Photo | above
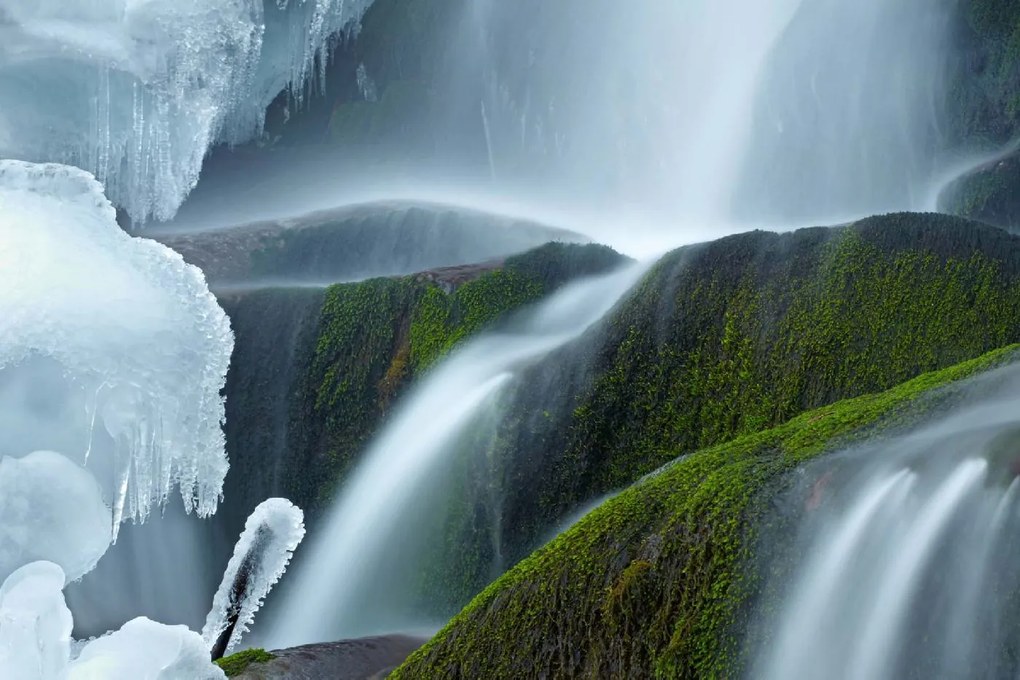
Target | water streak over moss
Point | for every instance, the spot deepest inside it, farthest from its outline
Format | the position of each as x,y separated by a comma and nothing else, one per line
650,584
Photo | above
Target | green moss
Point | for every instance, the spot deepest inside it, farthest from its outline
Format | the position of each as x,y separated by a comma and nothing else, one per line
649,584
441,320
236,664
376,336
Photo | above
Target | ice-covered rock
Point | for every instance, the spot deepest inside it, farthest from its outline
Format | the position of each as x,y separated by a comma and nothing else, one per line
145,650
141,344
136,91
35,639
51,509
35,624
271,534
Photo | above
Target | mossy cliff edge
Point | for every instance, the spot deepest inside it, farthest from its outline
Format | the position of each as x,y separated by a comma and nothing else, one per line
719,340
736,336
375,337
650,584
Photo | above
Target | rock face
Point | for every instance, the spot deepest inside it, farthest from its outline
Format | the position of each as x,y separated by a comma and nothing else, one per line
374,337
990,194
364,659
985,89
720,340
357,242
315,369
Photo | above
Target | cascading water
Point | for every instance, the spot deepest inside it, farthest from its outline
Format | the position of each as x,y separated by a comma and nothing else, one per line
689,115
346,557
680,119
903,553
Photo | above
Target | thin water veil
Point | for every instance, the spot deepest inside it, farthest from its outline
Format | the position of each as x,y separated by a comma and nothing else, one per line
903,552
339,584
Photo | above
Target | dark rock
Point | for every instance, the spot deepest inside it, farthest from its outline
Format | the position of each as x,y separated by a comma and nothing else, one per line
364,659
990,194
357,242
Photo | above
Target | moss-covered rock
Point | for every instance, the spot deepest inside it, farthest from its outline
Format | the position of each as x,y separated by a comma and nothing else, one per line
990,194
650,583
235,664
376,336
728,338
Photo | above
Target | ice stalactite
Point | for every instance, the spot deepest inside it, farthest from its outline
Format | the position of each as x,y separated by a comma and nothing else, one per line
132,346
114,348
137,92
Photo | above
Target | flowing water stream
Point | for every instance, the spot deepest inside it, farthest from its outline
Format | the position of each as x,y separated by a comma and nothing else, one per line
904,553
347,552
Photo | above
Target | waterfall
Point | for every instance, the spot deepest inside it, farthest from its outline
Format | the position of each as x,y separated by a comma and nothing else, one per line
902,559
324,594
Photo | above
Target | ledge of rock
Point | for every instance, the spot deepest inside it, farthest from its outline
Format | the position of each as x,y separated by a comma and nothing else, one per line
364,659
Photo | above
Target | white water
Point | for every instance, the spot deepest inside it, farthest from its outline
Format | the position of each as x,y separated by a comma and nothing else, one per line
906,567
343,559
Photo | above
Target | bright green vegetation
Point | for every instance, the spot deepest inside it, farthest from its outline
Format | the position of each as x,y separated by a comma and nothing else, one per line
236,664
378,335
440,320
736,336
650,584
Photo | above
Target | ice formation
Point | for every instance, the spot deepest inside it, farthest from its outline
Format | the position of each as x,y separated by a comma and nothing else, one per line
35,639
141,344
35,624
137,91
51,509
271,534
145,650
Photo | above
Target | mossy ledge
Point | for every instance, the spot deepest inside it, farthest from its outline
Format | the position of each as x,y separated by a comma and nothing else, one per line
739,335
650,583
377,336
235,664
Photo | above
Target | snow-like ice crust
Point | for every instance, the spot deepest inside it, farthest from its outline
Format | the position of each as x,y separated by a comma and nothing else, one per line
35,624
145,650
136,91
35,639
51,509
135,329
271,534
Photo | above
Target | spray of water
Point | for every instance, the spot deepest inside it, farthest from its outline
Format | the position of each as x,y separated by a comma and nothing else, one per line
643,125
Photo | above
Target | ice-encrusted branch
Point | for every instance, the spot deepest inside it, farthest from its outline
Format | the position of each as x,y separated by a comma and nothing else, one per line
271,534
